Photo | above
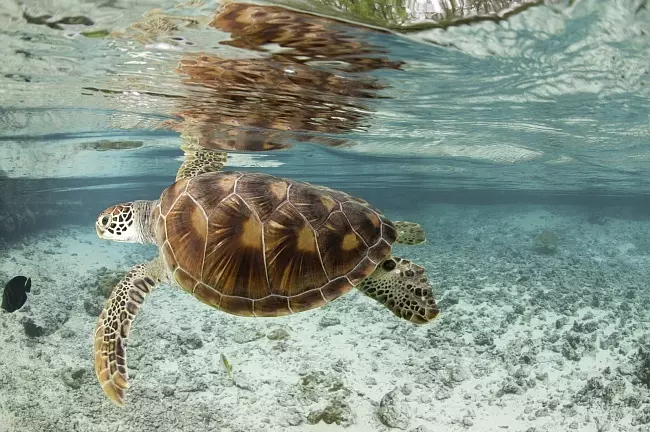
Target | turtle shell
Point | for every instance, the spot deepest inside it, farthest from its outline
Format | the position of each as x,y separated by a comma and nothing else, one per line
258,245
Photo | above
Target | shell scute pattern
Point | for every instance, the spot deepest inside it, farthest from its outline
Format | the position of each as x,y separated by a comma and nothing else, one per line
160,230
365,267
255,244
209,192
171,194
207,295
262,193
313,204
293,260
237,305
336,288
389,233
341,248
379,251
273,305
187,229
168,256
307,300
365,223
234,257
184,279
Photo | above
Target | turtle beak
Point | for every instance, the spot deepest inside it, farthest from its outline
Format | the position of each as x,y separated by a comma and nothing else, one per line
100,232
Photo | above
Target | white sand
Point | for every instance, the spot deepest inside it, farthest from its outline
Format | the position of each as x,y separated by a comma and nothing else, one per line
447,380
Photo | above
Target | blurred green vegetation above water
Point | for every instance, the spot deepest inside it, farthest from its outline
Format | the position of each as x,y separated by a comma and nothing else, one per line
416,15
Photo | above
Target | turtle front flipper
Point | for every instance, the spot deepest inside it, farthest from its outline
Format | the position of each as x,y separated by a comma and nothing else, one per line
409,233
113,327
403,288
199,160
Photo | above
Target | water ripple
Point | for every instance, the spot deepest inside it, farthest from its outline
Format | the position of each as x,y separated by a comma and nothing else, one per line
554,95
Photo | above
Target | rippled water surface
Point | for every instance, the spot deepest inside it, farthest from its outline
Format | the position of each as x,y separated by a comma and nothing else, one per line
553,98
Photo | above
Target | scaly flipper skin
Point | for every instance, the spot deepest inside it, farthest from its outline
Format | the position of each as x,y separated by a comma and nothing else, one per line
403,288
114,324
409,233
199,160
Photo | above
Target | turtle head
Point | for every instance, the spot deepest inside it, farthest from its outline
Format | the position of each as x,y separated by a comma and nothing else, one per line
126,222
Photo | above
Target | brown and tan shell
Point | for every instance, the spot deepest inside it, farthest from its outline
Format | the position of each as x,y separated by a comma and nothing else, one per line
257,245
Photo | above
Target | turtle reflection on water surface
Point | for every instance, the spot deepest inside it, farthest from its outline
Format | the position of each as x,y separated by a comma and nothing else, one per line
313,88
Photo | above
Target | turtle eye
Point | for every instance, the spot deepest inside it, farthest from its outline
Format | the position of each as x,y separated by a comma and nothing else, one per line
389,265
105,220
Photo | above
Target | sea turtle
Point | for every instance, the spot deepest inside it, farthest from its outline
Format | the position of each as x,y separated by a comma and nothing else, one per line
253,244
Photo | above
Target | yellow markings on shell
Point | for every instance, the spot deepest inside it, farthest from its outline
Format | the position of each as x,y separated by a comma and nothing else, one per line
199,221
349,242
278,190
306,241
374,220
328,202
251,233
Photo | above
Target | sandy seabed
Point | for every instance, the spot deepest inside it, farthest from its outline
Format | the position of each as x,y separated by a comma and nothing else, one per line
534,335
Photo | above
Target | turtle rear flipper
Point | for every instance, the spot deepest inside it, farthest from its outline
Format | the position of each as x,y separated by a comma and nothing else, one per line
114,324
199,160
403,288
409,233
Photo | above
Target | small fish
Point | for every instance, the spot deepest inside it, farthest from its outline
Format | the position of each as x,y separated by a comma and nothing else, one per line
15,293
226,364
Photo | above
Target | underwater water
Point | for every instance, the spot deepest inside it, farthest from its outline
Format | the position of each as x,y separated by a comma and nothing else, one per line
516,134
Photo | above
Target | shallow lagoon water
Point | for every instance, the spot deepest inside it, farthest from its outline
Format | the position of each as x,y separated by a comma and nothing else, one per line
520,145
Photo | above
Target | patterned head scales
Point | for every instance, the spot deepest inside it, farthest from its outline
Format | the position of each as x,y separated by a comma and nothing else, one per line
117,223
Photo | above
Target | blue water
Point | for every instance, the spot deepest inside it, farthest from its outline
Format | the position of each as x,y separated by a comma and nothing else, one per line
488,134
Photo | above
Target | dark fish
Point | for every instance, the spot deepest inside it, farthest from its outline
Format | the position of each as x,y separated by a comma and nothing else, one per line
15,294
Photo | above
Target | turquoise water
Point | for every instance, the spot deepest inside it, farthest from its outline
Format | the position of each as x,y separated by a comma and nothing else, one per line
520,145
